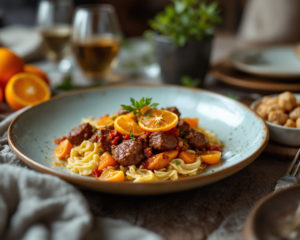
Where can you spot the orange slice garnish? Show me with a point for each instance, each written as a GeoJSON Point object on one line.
{"type": "Point", "coordinates": [158, 120]}
{"type": "Point", "coordinates": [105, 121]}
{"type": "Point", "coordinates": [125, 124]}
{"type": "Point", "coordinates": [26, 89]}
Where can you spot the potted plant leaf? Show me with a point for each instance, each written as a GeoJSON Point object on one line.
{"type": "Point", "coordinates": [183, 34]}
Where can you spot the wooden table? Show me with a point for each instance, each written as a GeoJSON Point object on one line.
{"type": "Point", "coordinates": [216, 211]}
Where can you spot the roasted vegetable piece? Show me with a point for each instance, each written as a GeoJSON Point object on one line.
{"type": "Point", "coordinates": [63, 149]}
{"type": "Point", "coordinates": [161, 160]}
{"type": "Point", "coordinates": [211, 157]}
{"type": "Point", "coordinates": [187, 157]}
{"type": "Point", "coordinates": [192, 122]}
{"type": "Point", "coordinates": [106, 160]}
{"type": "Point", "coordinates": [111, 175]}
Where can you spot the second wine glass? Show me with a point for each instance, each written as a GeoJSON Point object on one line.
{"type": "Point", "coordinates": [96, 39]}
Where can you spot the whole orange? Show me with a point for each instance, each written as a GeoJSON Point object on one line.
{"type": "Point", "coordinates": [10, 64]}
{"type": "Point", "coordinates": [29, 68]}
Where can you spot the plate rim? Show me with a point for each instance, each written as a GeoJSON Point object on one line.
{"type": "Point", "coordinates": [260, 72]}
{"type": "Point", "coordinates": [84, 181]}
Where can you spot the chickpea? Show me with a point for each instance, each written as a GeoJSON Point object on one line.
{"type": "Point", "coordinates": [270, 100]}
{"type": "Point", "coordinates": [262, 111]}
{"type": "Point", "coordinates": [298, 123]}
{"type": "Point", "coordinates": [295, 113]}
{"type": "Point", "coordinates": [277, 117]}
{"type": "Point", "coordinates": [272, 107]}
{"type": "Point", "coordinates": [286, 101]}
{"type": "Point", "coordinates": [290, 123]}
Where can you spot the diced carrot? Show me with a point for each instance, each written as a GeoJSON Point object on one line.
{"type": "Point", "coordinates": [111, 175]}
{"type": "Point", "coordinates": [63, 149]}
{"type": "Point", "coordinates": [161, 160]}
{"type": "Point", "coordinates": [187, 157]}
{"type": "Point", "coordinates": [211, 157]}
{"type": "Point", "coordinates": [106, 160]}
{"type": "Point", "coordinates": [193, 122]}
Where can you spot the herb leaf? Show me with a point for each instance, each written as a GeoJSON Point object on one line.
{"type": "Point", "coordinates": [137, 106]}
{"type": "Point", "coordinates": [131, 136]}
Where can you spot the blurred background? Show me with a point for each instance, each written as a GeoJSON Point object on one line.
{"type": "Point", "coordinates": [244, 22]}
{"type": "Point", "coordinates": [133, 14]}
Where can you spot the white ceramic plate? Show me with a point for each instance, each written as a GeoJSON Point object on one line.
{"type": "Point", "coordinates": [244, 133]}
{"type": "Point", "coordinates": [274, 62]}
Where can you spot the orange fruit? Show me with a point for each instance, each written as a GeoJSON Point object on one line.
{"type": "Point", "coordinates": [29, 68]}
{"type": "Point", "coordinates": [160, 120]}
{"type": "Point", "coordinates": [10, 64]}
{"type": "Point", "coordinates": [111, 175]}
{"type": "Point", "coordinates": [125, 124]}
{"type": "Point", "coordinates": [26, 89]}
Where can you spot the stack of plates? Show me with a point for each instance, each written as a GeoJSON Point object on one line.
{"type": "Point", "coordinates": [272, 69]}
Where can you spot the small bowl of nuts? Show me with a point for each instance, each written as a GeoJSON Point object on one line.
{"type": "Point", "coordinates": [282, 115]}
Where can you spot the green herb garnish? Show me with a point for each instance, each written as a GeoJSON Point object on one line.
{"type": "Point", "coordinates": [100, 152]}
{"type": "Point", "coordinates": [99, 132]}
{"type": "Point", "coordinates": [131, 136]}
{"type": "Point", "coordinates": [137, 106]}
{"type": "Point", "coordinates": [177, 162]}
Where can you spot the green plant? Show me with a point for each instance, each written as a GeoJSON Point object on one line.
{"type": "Point", "coordinates": [190, 82]}
{"type": "Point", "coordinates": [187, 19]}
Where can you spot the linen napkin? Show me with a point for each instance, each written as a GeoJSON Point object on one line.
{"type": "Point", "coordinates": [38, 206]}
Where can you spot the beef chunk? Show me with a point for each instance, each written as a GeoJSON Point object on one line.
{"type": "Point", "coordinates": [104, 141]}
{"type": "Point", "coordinates": [196, 139]}
{"type": "Point", "coordinates": [183, 127]}
{"type": "Point", "coordinates": [94, 138]}
{"type": "Point", "coordinates": [122, 111]}
{"type": "Point", "coordinates": [128, 152]}
{"type": "Point", "coordinates": [82, 132]}
{"type": "Point", "coordinates": [174, 110]}
{"type": "Point", "coordinates": [162, 141]}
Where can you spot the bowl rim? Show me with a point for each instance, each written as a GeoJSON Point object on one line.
{"type": "Point", "coordinates": [248, 229]}
{"type": "Point", "coordinates": [192, 179]}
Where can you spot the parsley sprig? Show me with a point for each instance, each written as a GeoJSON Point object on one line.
{"type": "Point", "coordinates": [137, 106]}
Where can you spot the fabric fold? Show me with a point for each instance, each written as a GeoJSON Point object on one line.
{"type": "Point", "coordinates": [36, 206]}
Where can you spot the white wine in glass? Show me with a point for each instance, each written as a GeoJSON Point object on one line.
{"type": "Point", "coordinates": [96, 39]}
{"type": "Point", "coordinates": [54, 22]}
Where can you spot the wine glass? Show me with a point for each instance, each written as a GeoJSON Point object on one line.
{"type": "Point", "coordinates": [96, 40]}
{"type": "Point", "coordinates": [54, 20]}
